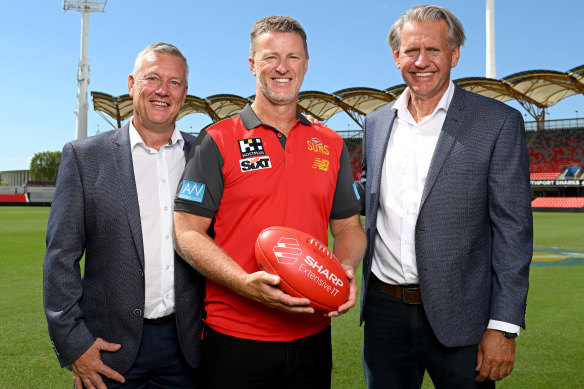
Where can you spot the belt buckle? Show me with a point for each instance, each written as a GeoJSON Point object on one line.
{"type": "Point", "coordinates": [403, 294]}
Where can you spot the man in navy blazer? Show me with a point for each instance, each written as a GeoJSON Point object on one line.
{"type": "Point", "coordinates": [445, 187]}
{"type": "Point", "coordinates": [136, 308]}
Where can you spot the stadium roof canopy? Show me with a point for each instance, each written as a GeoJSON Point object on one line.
{"type": "Point", "coordinates": [535, 90]}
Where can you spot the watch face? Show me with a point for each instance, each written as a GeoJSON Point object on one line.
{"type": "Point", "coordinates": [509, 335]}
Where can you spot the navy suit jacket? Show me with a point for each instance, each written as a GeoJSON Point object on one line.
{"type": "Point", "coordinates": [95, 212]}
{"type": "Point", "coordinates": [474, 231]}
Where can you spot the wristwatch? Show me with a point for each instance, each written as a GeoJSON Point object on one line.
{"type": "Point", "coordinates": [508, 335]}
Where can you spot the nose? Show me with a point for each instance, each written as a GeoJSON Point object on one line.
{"type": "Point", "coordinates": [163, 89]}
{"type": "Point", "coordinates": [422, 60]}
{"type": "Point", "coordinates": [282, 67]}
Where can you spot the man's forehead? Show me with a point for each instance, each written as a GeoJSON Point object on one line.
{"type": "Point", "coordinates": [268, 36]}
{"type": "Point", "coordinates": [433, 30]}
{"type": "Point", "coordinates": [424, 26]}
{"type": "Point", "coordinates": [152, 61]}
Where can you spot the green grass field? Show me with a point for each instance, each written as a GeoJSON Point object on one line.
{"type": "Point", "coordinates": [549, 351]}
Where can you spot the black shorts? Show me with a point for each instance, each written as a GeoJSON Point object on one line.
{"type": "Point", "coordinates": [229, 362]}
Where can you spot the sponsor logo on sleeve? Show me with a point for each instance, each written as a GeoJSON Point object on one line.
{"type": "Point", "coordinates": [251, 147]}
{"type": "Point", "coordinates": [192, 191]}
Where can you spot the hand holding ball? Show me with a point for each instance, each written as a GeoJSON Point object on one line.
{"type": "Point", "coordinates": [306, 267]}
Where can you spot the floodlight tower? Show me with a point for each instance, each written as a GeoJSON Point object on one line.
{"type": "Point", "coordinates": [85, 7]}
{"type": "Point", "coordinates": [491, 68]}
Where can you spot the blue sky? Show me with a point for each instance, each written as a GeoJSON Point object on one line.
{"type": "Point", "coordinates": [346, 41]}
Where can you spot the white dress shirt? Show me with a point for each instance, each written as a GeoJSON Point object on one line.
{"type": "Point", "coordinates": [405, 169]}
{"type": "Point", "coordinates": [157, 174]}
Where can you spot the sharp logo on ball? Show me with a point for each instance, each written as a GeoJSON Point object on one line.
{"type": "Point", "coordinates": [287, 251]}
{"type": "Point", "coordinates": [313, 263]}
{"type": "Point", "coordinates": [251, 147]}
{"type": "Point", "coordinates": [251, 164]}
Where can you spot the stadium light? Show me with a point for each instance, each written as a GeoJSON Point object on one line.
{"type": "Point", "coordinates": [85, 7]}
{"type": "Point", "coordinates": [491, 63]}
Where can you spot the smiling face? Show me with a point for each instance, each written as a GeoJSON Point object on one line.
{"type": "Point", "coordinates": [425, 59]}
{"type": "Point", "coordinates": [279, 65]}
{"type": "Point", "coordinates": [158, 89]}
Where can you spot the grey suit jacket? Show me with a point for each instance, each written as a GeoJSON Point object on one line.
{"type": "Point", "coordinates": [95, 212]}
{"type": "Point", "coordinates": [474, 231]}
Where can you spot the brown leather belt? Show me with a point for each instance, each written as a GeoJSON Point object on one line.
{"type": "Point", "coordinates": [160, 320]}
{"type": "Point", "coordinates": [409, 294]}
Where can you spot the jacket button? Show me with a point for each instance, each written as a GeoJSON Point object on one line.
{"type": "Point", "coordinates": [138, 312]}
{"type": "Point", "coordinates": [141, 273]}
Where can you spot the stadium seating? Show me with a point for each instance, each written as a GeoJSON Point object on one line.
{"type": "Point", "coordinates": [354, 148]}
{"type": "Point", "coordinates": [552, 151]}
{"type": "Point", "coordinates": [558, 202]}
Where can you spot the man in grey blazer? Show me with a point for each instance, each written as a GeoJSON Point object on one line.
{"type": "Point", "coordinates": [134, 314]}
{"type": "Point", "coordinates": [445, 186]}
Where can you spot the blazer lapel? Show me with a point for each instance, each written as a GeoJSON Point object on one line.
{"type": "Point", "coordinates": [127, 186]}
{"type": "Point", "coordinates": [451, 127]}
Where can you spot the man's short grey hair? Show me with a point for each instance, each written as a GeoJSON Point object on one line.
{"type": "Point", "coordinates": [276, 24]}
{"type": "Point", "coordinates": [456, 36]}
{"type": "Point", "coordinates": [160, 48]}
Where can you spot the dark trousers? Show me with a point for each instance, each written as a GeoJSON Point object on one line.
{"type": "Point", "coordinates": [229, 362]}
{"type": "Point", "coordinates": [399, 345]}
{"type": "Point", "coordinates": [160, 363]}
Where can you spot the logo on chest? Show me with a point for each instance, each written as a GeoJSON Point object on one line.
{"type": "Point", "coordinates": [316, 146]}
{"type": "Point", "coordinates": [251, 164]}
{"type": "Point", "coordinates": [253, 155]}
{"type": "Point", "coordinates": [251, 147]}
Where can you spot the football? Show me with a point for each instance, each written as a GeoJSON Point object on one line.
{"type": "Point", "coordinates": [307, 268]}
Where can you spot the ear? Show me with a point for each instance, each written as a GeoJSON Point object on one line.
{"type": "Point", "coordinates": [306, 65]}
{"type": "Point", "coordinates": [131, 85]}
{"type": "Point", "coordinates": [396, 58]}
{"type": "Point", "coordinates": [252, 65]}
{"type": "Point", "coordinates": [455, 57]}
{"type": "Point", "coordinates": [184, 97]}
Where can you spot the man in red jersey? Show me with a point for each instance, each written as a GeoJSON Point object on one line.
{"type": "Point", "coordinates": [267, 165]}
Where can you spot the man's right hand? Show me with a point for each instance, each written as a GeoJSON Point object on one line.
{"type": "Point", "coordinates": [263, 287]}
{"type": "Point", "coordinates": [88, 367]}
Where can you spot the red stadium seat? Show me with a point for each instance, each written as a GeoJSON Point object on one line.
{"type": "Point", "coordinates": [558, 202]}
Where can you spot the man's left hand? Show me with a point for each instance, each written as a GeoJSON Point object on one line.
{"type": "Point", "coordinates": [495, 357]}
{"type": "Point", "coordinates": [353, 290]}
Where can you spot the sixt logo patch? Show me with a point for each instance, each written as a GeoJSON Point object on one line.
{"type": "Point", "coordinates": [192, 191]}
{"type": "Point", "coordinates": [251, 147]}
{"type": "Point", "coordinates": [251, 164]}
{"type": "Point", "coordinates": [287, 251]}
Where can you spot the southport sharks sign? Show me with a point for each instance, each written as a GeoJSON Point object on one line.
{"type": "Point", "coordinates": [557, 182]}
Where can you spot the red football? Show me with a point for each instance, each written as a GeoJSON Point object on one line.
{"type": "Point", "coordinates": [307, 268]}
